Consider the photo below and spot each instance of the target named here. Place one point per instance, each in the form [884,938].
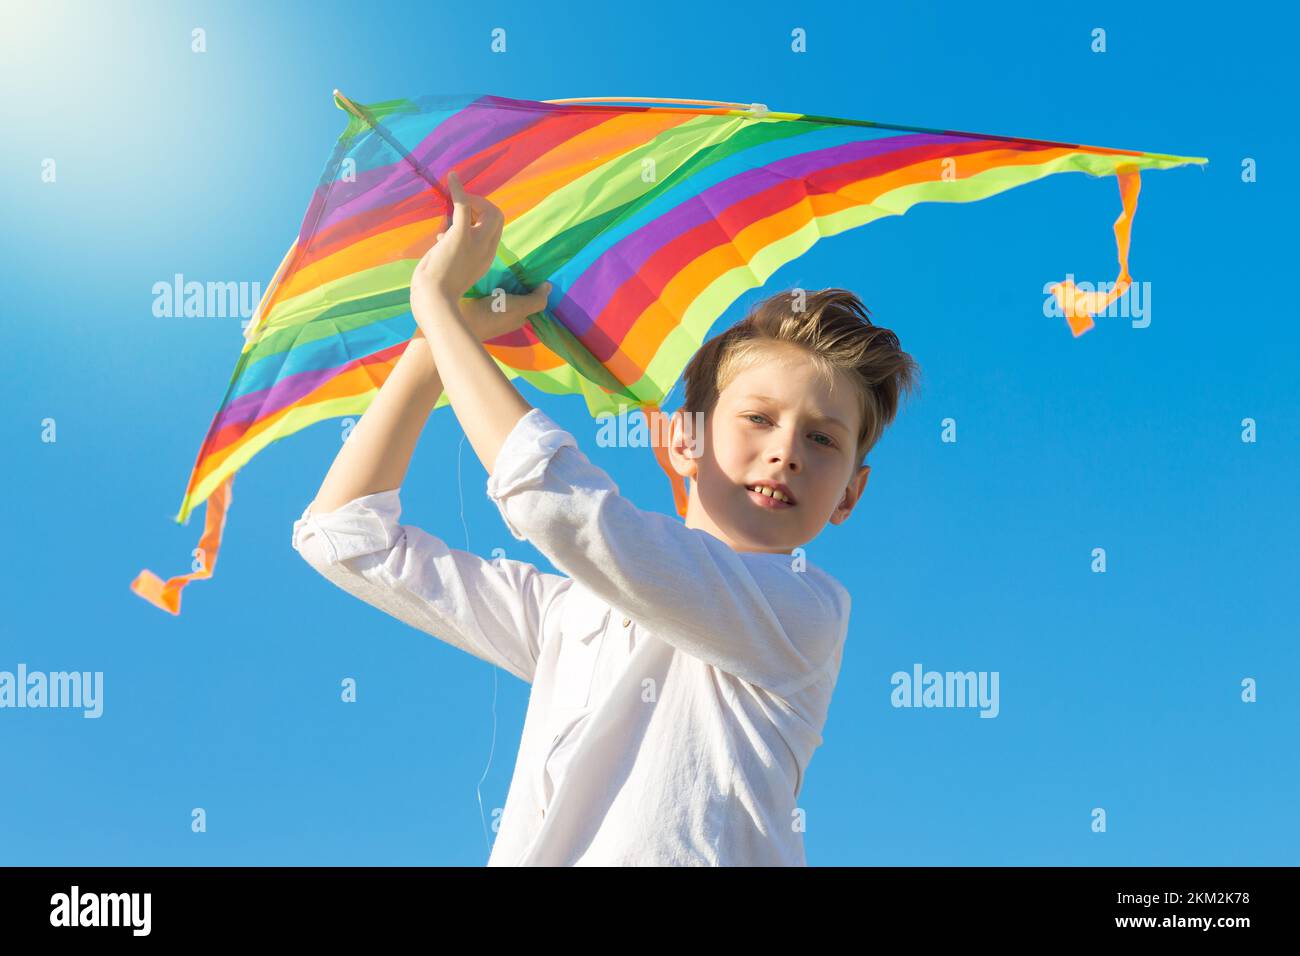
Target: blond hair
[835,329]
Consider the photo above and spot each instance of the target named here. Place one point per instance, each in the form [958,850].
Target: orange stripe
[576,157]
[367,225]
[530,358]
[411,241]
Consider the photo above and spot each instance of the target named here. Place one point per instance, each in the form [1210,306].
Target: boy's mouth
[767,495]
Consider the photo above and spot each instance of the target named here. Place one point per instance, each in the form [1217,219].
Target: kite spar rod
[758,109]
[363,114]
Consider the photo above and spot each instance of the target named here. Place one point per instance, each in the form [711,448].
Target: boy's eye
[829,443]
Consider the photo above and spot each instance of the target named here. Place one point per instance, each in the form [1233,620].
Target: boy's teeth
[764,490]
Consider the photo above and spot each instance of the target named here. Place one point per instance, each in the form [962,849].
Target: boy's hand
[461,255]
[487,324]
[458,258]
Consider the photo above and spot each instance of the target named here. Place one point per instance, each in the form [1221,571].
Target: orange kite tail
[659,431]
[167,594]
[1080,307]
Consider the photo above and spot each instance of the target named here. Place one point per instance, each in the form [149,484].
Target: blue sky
[1119,690]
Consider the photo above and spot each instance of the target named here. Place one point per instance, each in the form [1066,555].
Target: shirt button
[627,621]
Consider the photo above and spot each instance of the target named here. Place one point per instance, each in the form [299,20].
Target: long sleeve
[494,610]
[749,614]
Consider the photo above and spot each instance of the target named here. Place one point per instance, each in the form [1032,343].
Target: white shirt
[679,687]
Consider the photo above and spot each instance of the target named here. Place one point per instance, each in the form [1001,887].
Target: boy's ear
[852,495]
[685,441]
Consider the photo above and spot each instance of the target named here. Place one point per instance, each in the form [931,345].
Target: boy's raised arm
[377,453]
[485,402]
[495,610]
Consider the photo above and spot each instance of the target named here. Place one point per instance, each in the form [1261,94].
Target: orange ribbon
[660,428]
[1080,307]
[166,595]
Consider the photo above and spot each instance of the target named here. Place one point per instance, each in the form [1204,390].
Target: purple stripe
[590,293]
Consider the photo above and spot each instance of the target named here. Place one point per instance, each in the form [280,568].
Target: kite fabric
[648,221]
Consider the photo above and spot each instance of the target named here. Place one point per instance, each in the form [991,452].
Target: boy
[681,673]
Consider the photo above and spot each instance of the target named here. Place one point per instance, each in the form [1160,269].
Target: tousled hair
[830,325]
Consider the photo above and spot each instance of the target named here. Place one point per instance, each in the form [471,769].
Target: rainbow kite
[647,220]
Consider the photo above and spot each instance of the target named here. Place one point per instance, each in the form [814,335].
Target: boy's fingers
[483,206]
[485,213]
[538,297]
[534,301]
[492,231]
[460,202]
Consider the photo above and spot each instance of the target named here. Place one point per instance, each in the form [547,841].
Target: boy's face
[777,421]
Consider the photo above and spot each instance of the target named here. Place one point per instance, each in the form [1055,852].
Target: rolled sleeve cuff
[362,526]
[523,458]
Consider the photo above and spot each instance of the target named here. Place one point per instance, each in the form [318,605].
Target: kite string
[460,491]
